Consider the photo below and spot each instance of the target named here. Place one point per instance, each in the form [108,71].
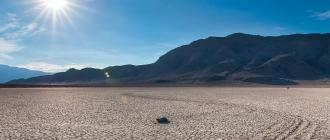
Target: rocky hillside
[237,57]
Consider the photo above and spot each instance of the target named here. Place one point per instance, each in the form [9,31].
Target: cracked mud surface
[195,113]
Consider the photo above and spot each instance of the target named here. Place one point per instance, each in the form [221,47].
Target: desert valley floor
[194,113]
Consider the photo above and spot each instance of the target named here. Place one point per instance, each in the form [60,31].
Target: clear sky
[52,36]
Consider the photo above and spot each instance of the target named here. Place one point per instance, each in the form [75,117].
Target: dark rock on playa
[163,120]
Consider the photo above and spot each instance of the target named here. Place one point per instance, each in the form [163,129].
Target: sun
[55,12]
[55,15]
[56,4]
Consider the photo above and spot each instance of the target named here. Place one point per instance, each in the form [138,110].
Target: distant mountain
[279,60]
[8,73]
[72,76]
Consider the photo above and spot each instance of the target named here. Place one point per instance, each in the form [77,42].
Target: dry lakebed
[193,113]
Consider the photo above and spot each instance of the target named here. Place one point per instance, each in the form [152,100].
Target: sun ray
[68,19]
[56,16]
[55,12]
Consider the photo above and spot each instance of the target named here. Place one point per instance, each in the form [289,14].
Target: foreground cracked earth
[195,113]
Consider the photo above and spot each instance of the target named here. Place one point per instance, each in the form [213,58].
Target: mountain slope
[237,57]
[8,73]
[73,76]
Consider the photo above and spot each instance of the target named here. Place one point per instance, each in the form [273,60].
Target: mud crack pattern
[195,113]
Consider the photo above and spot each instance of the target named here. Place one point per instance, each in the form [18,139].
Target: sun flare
[55,15]
[56,4]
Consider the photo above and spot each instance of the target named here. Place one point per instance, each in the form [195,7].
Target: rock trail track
[195,113]
[289,127]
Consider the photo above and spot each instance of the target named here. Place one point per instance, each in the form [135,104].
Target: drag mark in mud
[288,127]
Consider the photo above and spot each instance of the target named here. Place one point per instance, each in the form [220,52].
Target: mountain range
[243,58]
[10,73]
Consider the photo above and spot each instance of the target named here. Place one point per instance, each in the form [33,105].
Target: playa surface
[194,113]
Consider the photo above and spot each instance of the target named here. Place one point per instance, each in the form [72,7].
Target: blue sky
[101,33]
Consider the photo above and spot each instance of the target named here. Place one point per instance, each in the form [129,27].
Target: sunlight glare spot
[107,74]
[56,4]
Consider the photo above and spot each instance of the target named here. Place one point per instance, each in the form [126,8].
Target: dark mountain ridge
[285,59]
[73,76]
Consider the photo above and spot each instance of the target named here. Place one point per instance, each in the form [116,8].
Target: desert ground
[194,113]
